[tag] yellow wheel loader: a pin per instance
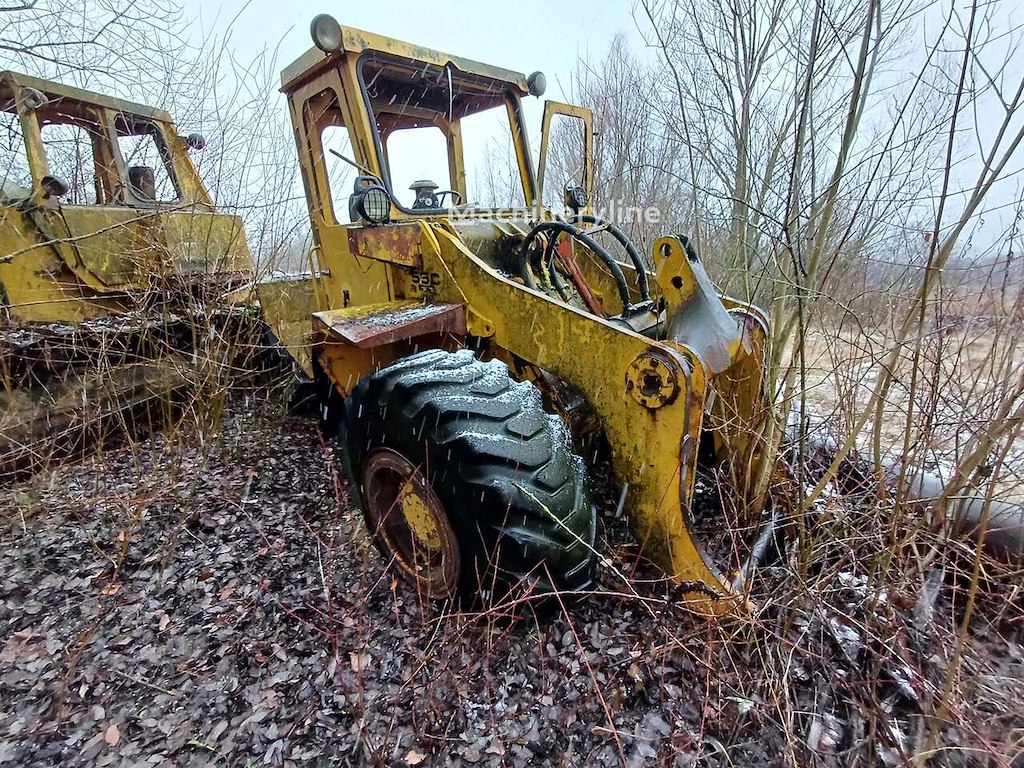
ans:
(470, 320)
(110, 246)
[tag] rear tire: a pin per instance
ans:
(499, 466)
(330, 405)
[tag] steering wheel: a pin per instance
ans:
(454, 194)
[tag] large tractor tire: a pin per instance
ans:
(466, 481)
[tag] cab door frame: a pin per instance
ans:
(551, 110)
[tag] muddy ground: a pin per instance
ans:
(214, 601)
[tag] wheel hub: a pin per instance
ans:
(409, 520)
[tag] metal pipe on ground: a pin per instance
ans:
(996, 524)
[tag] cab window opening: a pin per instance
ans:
(328, 134)
(15, 171)
(431, 122)
(150, 175)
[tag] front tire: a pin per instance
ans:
(442, 442)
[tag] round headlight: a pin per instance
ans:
(326, 33)
(575, 197)
(375, 205)
(537, 84)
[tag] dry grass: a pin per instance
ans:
(228, 607)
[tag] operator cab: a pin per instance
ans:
(447, 130)
(378, 119)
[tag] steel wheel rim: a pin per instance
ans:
(406, 516)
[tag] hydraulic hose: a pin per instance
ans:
(625, 242)
(548, 258)
(589, 242)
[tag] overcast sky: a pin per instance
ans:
(526, 35)
(523, 36)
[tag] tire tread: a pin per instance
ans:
(501, 464)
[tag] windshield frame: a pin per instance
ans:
(507, 96)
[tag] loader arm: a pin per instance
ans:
(649, 395)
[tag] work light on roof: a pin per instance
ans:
(326, 33)
(537, 84)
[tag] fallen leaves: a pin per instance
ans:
(825, 733)
(359, 661)
(270, 699)
(26, 645)
(223, 641)
(112, 735)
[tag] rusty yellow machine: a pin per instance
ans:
(109, 244)
(482, 341)
(471, 330)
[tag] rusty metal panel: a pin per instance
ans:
(376, 324)
(396, 243)
(205, 243)
(286, 304)
(60, 92)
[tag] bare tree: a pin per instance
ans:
(92, 43)
(815, 135)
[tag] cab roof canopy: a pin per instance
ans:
(68, 97)
(403, 78)
(405, 94)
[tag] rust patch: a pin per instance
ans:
(394, 323)
(395, 243)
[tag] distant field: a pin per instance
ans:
(965, 372)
